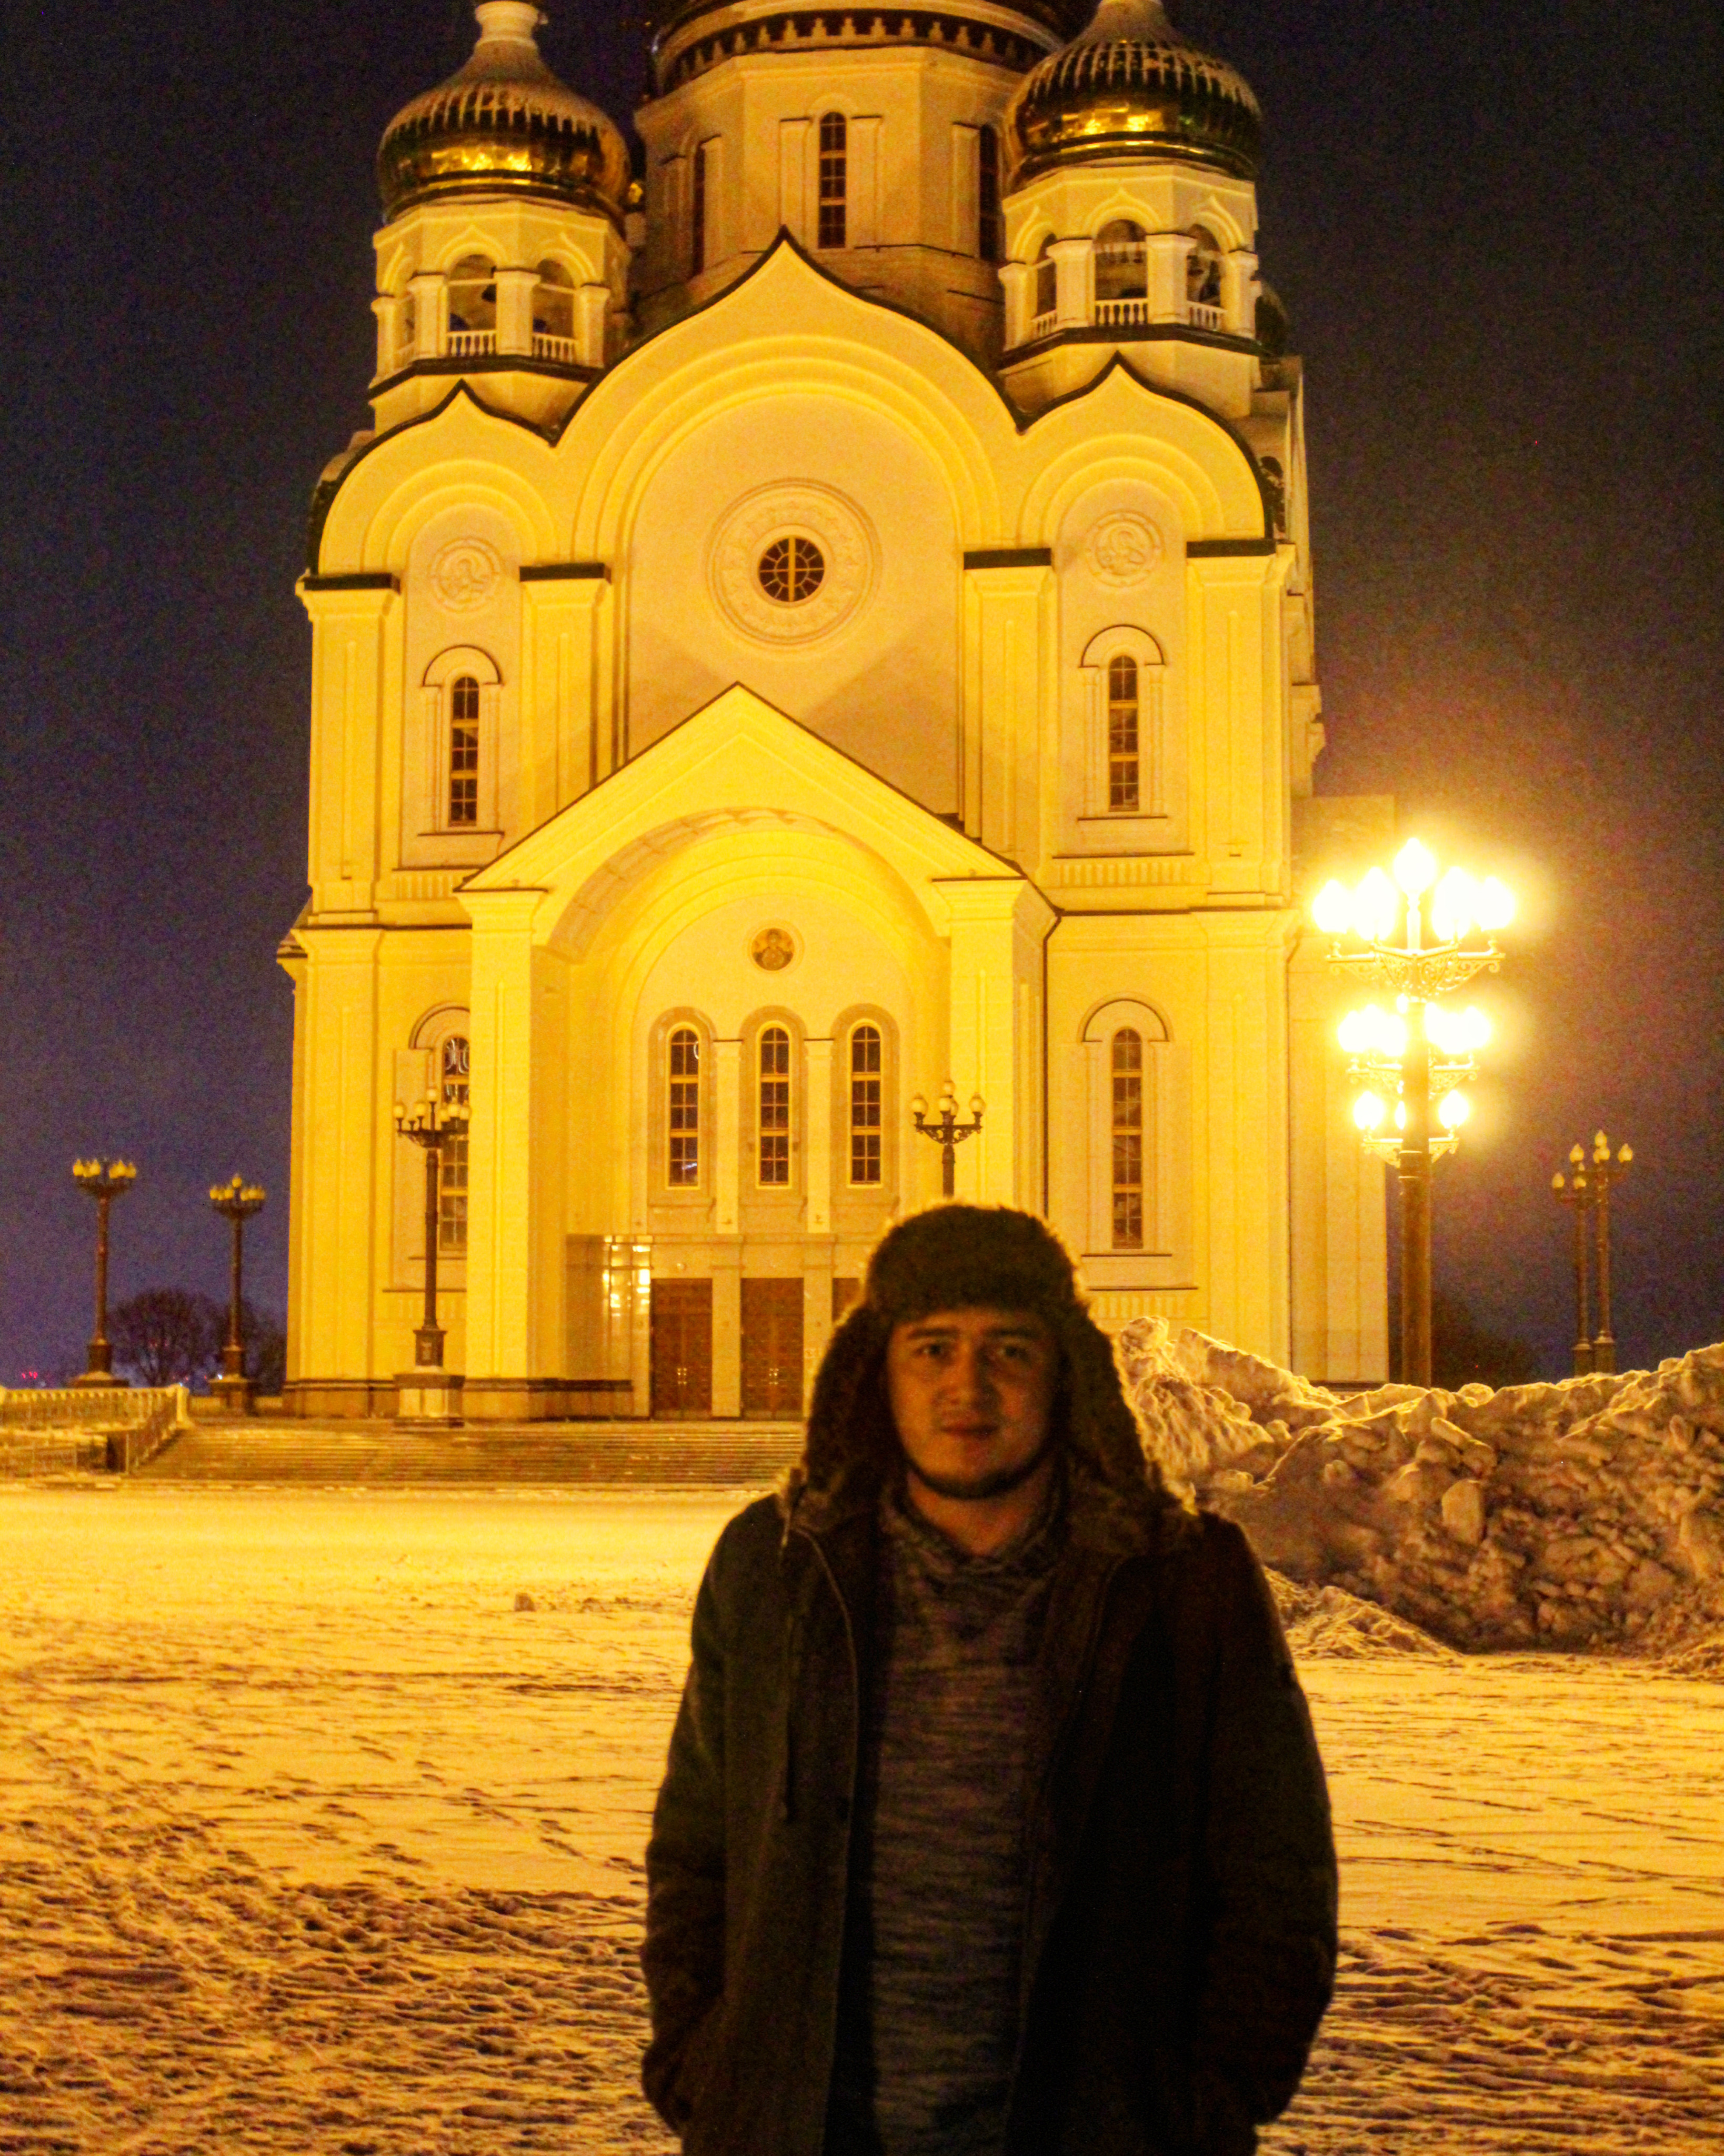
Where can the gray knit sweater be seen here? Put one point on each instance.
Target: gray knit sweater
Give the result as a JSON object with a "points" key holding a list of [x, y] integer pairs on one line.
{"points": [[946, 1787]]}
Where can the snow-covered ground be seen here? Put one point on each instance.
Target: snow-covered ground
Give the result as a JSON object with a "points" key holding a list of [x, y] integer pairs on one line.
{"points": [[311, 1840]]}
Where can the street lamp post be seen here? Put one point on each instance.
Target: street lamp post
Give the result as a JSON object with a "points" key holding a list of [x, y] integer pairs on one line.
{"points": [[103, 1184], [236, 1202], [1393, 1050], [429, 1396], [1605, 1171], [1576, 1192], [947, 1131]]}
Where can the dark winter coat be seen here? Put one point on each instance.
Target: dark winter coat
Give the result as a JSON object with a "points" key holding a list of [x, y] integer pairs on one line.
{"points": [[1179, 1918]]}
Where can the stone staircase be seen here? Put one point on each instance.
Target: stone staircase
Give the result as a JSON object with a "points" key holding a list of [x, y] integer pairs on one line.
{"points": [[734, 1455]]}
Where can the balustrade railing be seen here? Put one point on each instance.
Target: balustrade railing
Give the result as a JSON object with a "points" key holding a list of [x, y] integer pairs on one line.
{"points": [[472, 344], [562, 349], [1113, 313], [118, 1427], [1205, 318]]}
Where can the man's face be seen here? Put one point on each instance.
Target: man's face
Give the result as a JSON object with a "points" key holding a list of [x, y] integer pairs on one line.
{"points": [[971, 1392]]}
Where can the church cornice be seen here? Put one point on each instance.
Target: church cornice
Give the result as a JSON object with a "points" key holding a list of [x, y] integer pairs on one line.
{"points": [[795, 30]]}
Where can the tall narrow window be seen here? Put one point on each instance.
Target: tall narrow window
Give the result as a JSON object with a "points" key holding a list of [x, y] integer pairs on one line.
{"points": [[1123, 761], [1127, 1140], [774, 1126], [834, 179], [864, 1104], [1047, 280], [455, 1060], [685, 1107], [990, 235], [697, 214], [464, 751]]}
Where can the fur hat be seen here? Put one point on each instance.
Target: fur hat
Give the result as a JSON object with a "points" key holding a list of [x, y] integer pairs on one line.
{"points": [[969, 1257]]}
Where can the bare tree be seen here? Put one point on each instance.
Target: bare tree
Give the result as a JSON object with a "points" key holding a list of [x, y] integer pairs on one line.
{"points": [[166, 1335]]}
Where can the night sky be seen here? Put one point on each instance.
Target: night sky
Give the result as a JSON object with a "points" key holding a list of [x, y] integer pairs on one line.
{"points": [[1495, 227]]}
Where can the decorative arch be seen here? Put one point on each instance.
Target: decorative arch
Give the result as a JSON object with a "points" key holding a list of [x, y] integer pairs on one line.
{"points": [[1123, 670], [462, 689], [1130, 1119]]}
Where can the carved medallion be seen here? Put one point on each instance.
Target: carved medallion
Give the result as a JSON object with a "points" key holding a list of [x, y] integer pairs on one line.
{"points": [[464, 574], [1124, 549], [771, 950], [790, 564]]}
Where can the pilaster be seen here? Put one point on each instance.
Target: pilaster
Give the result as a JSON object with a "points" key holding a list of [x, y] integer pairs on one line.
{"points": [[999, 924], [565, 730], [1009, 610], [354, 622], [817, 1165]]}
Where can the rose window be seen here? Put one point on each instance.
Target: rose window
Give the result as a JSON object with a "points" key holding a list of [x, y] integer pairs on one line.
{"points": [[791, 570]]}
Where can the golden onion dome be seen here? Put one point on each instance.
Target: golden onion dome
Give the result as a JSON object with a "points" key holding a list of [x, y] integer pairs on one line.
{"points": [[1131, 86], [504, 124]]}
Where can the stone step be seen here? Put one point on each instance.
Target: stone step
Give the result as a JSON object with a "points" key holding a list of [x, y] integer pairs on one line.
{"points": [[730, 1454]]}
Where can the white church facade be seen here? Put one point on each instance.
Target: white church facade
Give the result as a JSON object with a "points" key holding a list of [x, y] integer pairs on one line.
{"points": [[831, 618]]}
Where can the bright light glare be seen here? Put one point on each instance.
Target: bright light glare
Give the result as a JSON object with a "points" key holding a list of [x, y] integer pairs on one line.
{"points": [[1454, 1111], [1332, 908], [1415, 868], [1400, 1115], [1456, 1032], [1377, 908], [1358, 1030], [1373, 1031], [1454, 906], [1369, 1112], [1496, 906]]}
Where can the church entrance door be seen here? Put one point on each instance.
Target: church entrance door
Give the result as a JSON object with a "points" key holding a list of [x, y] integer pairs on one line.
{"points": [[772, 1347], [682, 1347]]}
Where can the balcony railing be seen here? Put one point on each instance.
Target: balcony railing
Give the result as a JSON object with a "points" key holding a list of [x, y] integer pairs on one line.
{"points": [[1045, 324], [562, 349], [1204, 318], [1113, 313], [472, 344]]}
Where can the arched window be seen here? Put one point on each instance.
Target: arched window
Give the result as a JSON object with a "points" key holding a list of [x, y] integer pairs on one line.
{"points": [[865, 1105], [463, 750], [1123, 737], [554, 313], [773, 1111], [455, 1067], [472, 307], [834, 180], [990, 228], [1202, 278], [697, 212], [1122, 266], [1126, 769], [1127, 1127], [682, 1164]]}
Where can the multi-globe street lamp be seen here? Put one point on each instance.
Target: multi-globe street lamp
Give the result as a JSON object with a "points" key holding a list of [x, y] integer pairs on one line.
{"points": [[236, 1202], [1412, 1058], [1586, 1188], [104, 1182], [429, 1393], [947, 1131]]}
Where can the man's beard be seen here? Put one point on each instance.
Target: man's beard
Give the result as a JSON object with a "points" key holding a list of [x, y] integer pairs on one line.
{"points": [[973, 1489]]}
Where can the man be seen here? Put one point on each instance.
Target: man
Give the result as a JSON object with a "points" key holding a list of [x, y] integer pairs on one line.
{"points": [[993, 1824]]}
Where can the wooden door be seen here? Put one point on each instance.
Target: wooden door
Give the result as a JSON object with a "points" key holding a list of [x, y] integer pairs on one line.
{"points": [[771, 1348], [682, 1347]]}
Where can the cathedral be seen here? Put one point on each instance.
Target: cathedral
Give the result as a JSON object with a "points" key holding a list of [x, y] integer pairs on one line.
{"points": [[820, 624]]}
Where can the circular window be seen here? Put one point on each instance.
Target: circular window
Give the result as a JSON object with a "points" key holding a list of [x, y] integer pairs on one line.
{"points": [[791, 570]]}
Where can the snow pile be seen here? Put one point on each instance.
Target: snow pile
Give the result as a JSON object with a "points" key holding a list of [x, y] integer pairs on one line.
{"points": [[1587, 1514]]}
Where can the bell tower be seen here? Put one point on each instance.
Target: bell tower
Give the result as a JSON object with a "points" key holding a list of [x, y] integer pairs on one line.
{"points": [[872, 135], [502, 258], [1132, 216]]}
